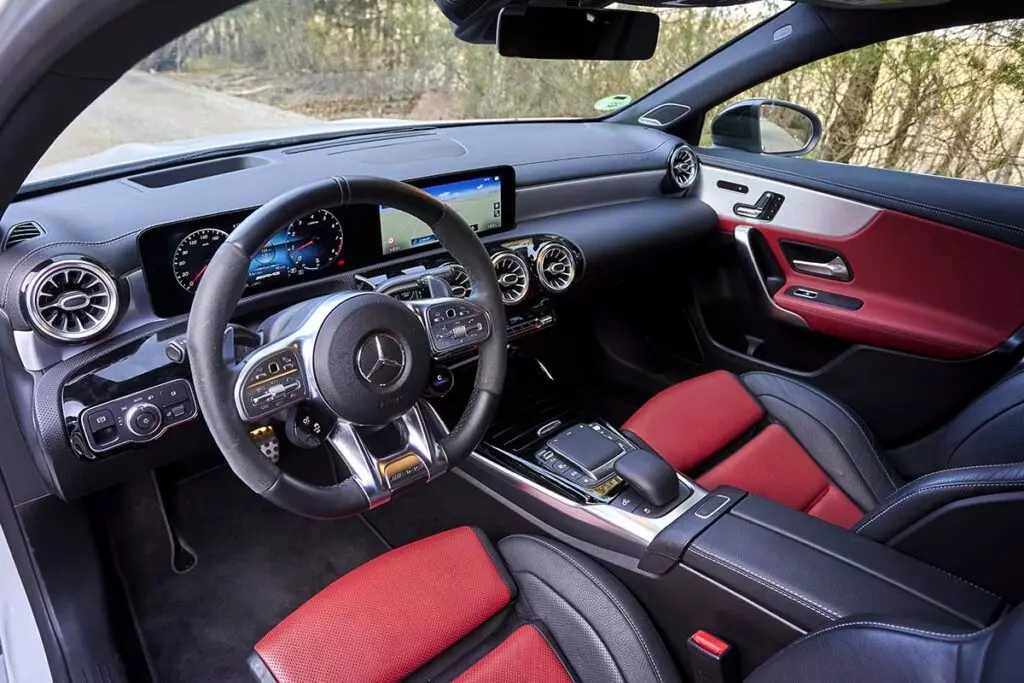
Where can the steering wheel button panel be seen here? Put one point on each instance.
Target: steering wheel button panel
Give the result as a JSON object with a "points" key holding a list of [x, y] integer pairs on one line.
{"points": [[452, 325], [272, 384]]}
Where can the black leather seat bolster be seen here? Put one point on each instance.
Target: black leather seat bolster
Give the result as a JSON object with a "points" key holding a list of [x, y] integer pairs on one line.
{"points": [[923, 496], [868, 649], [830, 432], [987, 432], [600, 628], [991, 430]]}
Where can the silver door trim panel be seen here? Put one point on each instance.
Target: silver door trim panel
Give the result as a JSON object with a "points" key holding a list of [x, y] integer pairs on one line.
{"points": [[804, 210]]}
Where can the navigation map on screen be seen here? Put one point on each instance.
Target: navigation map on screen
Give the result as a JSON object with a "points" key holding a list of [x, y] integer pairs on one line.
{"points": [[478, 201]]}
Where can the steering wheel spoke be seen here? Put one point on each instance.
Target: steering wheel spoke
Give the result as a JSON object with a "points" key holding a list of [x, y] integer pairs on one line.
{"points": [[452, 324], [381, 475], [271, 379], [364, 356]]}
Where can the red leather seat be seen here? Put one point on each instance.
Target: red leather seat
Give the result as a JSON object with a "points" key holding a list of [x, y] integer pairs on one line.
{"points": [[451, 607], [785, 440], [454, 607], [720, 429]]}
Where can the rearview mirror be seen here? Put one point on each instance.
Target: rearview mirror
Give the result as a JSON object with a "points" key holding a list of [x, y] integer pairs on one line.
{"points": [[767, 127], [574, 33]]}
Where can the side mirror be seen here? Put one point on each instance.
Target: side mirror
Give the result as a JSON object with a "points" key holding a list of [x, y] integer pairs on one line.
{"points": [[767, 127]]}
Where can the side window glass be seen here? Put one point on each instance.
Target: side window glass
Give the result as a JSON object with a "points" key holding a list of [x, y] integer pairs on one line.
{"points": [[942, 103]]}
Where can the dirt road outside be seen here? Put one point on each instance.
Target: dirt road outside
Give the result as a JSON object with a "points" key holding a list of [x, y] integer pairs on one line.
{"points": [[147, 108]]}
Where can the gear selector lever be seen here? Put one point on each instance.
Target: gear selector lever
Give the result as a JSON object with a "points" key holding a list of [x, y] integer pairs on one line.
{"points": [[650, 475]]}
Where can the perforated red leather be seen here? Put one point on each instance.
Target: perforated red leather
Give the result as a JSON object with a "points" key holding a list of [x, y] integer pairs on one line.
{"points": [[692, 420], [774, 465], [523, 657], [387, 618]]}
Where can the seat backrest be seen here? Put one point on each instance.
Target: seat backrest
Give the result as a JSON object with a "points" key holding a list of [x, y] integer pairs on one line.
{"points": [[990, 431], [867, 649], [968, 521]]}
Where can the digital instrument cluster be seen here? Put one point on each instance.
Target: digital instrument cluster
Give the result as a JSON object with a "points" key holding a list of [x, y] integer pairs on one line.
{"points": [[309, 244], [326, 242]]}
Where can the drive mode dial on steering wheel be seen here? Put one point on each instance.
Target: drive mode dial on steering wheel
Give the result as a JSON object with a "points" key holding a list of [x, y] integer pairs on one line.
{"points": [[361, 359]]}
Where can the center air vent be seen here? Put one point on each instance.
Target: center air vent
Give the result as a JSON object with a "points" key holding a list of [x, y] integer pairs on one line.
{"points": [[22, 232], [683, 167], [556, 266], [459, 281], [513, 276], [71, 300]]}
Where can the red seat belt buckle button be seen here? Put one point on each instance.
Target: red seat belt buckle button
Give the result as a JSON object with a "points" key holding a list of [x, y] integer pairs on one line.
{"points": [[711, 659]]}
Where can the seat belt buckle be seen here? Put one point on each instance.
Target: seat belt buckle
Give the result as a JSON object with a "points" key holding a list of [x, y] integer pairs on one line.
{"points": [[712, 660]]}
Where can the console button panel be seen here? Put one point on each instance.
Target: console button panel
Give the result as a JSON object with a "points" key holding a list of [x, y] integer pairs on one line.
{"points": [[600, 482], [138, 417]]}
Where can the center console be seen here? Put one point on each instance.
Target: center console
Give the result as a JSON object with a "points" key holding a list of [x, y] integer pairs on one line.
{"points": [[755, 573]]}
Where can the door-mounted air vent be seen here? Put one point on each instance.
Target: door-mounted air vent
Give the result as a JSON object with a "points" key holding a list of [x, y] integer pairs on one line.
{"points": [[556, 266], [683, 167], [22, 232], [459, 281], [71, 300], [513, 276]]}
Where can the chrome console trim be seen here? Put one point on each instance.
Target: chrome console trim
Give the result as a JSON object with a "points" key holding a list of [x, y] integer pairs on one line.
{"points": [[625, 525]]}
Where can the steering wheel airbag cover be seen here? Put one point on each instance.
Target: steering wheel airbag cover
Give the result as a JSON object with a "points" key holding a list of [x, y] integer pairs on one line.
{"points": [[352, 335]]}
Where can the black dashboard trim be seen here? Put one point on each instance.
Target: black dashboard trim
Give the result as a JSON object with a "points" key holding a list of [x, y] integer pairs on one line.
{"points": [[610, 238]]}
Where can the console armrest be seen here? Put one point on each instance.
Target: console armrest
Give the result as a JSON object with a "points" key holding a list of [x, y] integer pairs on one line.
{"points": [[812, 573]]}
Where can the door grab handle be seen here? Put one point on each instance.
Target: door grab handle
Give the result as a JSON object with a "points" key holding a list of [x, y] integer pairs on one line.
{"points": [[742, 236], [835, 269]]}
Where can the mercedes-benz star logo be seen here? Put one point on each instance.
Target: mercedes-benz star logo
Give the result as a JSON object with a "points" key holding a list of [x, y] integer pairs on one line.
{"points": [[381, 359]]}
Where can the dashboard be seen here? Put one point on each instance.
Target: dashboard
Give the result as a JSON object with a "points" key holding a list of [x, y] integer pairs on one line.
{"points": [[324, 243], [96, 298]]}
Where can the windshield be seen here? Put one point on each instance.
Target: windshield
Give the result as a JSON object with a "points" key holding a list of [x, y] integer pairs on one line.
{"points": [[293, 66]]}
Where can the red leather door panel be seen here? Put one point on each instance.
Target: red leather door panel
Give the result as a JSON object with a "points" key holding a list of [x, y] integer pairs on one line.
{"points": [[927, 288]]}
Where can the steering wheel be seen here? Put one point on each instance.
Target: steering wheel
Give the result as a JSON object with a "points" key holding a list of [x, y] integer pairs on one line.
{"points": [[362, 358]]}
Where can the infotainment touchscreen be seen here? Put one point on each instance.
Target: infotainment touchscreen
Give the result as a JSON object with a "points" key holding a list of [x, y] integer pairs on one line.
{"points": [[478, 200]]}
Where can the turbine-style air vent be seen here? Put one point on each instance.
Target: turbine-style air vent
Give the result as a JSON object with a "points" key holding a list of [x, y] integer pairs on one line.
{"points": [[71, 301], [683, 167], [21, 232], [459, 281], [513, 276], [556, 266]]}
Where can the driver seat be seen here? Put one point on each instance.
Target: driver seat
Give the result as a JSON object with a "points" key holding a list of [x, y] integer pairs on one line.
{"points": [[452, 607]]}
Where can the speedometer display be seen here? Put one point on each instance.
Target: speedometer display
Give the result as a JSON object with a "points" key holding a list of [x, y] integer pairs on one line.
{"points": [[193, 256], [315, 242], [309, 244]]}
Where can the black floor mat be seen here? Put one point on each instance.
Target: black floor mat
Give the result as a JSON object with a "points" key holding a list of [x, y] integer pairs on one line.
{"points": [[256, 563]]}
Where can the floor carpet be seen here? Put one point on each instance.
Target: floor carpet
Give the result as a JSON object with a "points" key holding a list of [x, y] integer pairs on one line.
{"points": [[255, 564]]}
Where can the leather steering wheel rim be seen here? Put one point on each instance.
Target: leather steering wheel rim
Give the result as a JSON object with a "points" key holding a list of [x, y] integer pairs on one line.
{"points": [[221, 289]]}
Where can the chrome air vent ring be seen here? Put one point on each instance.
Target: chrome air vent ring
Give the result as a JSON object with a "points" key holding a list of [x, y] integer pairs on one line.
{"points": [[683, 167], [70, 300], [513, 276], [556, 266]]}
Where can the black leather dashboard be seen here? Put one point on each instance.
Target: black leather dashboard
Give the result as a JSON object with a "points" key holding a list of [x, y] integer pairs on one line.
{"points": [[597, 187]]}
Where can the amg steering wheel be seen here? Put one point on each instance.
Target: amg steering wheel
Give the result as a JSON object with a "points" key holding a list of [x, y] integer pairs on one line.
{"points": [[362, 358]]}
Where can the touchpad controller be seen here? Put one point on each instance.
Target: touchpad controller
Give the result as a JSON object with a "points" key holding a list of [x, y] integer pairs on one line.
{"points": [[589, 449]]}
